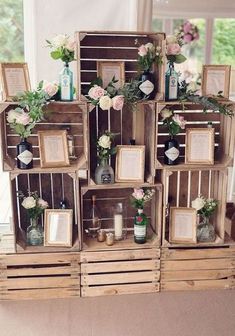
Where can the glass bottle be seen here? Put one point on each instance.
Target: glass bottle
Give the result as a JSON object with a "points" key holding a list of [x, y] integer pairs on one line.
{"points": [[118, 221], [66, 84], [171, 151], [132, 142], [70, 142], [94, 219], [34, 233], [104, 173], [140, 227], [205, 230], [24, 154], [171, 83], [147, 86], [63, 204]]}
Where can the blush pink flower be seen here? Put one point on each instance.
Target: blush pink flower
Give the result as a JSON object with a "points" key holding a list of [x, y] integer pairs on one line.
{"points": [[188, 38], [23, 118], [70, 45], [96, 92], [142, 51], [118, 102], [187, 27], [50, 88], [179, 120], [138, 194], [173, 49], [43, 204]]}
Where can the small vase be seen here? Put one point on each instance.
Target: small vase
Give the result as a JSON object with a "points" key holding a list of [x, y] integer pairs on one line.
{"points": [[140, 227], [205, 230], [171, 151], [66, 84], [104, 173], [24, 155], [34, 233], [147, 86]]}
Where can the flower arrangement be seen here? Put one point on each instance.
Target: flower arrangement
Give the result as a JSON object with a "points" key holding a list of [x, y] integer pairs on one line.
{"points": [[24, 118], [63, 47], [34, 205], [148, 54], [205, 207], [105, 98], [104, 146], [140, 196], [173, 49], [188, 32], [173, 121]]}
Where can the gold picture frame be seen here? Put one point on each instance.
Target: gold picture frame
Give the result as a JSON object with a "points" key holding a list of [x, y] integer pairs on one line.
{"points": [[14, 79], [106, 70], [58, 227], [216, 78], [53, 148], [182, 228], [130, 163], [199, 146]]}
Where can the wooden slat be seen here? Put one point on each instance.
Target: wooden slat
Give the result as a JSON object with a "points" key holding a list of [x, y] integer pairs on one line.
{"points": [[20, 272], [197, 274], [120, 278], [120, 255], [29, 294], [197, 285], [172, 265], [120, 289], [171, 254], [39, 282]]}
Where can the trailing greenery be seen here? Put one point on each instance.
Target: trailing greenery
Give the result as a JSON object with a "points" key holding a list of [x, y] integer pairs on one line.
{"points": [[131, 92]]}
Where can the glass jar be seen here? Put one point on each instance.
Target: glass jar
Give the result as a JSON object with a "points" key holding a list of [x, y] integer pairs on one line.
{"points": [[34, 233], [104, 173], [205, 230]]}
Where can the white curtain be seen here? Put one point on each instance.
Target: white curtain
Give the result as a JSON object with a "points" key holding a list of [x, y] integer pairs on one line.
{"points": [[144, 15]]}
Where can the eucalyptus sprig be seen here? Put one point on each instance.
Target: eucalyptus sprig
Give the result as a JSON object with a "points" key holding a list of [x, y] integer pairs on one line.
{"points": [[132, 94]]}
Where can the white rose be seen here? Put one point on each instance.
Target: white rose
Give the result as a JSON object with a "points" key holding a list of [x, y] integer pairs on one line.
{"points": [[166, 113], [105, 102], [70, 45], [29, 202], [170, 39], [192, 86], [198, 203], [104, 141], [12, 116], [149, 46], [59, 41]]}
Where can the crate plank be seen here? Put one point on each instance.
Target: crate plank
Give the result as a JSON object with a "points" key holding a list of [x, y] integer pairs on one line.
{"points": [[197, 285], [197, 274], [174, 265], [39, 294], [173, 254]]}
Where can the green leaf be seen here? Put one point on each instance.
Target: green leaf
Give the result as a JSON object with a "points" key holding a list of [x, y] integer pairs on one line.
{"points": [[56, 54], [180, 58]]}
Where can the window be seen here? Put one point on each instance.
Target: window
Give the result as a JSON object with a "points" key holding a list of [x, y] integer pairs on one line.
{"points": [[11, 31]]}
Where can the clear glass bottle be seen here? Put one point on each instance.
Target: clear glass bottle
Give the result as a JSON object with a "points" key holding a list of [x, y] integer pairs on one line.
{"points": [[171, 83], [66, 84], [119, 222], [34, 233], [205, 230], [104, 173], [94, 219], [140, 227]]}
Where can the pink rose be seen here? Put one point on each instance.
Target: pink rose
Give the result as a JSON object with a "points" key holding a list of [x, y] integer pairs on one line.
{"points": [[96, 92], [23, 118], [187, 38], [173, 49], [118, 102], [179, 120], [138, 194], [43, 204], [196, 36], [50, 88], [187, 27], [142, 50], [70, 45]]}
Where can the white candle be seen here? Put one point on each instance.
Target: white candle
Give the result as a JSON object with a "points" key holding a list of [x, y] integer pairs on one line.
{"points": [[118, 225]]}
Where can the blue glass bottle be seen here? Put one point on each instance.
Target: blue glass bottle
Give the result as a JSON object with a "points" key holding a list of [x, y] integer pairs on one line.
{"points": [[171, 83], [66, 84]]}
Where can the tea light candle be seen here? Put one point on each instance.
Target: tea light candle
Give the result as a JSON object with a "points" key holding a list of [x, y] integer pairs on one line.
{"points": [[118, 226], [101, 236], [109, 239]]}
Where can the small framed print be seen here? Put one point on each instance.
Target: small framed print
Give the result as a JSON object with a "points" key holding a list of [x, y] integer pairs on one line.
{"points": [[109, 69], [14, 79], [53, 148], [58, 227], [216, 78], [199, 144], [182, 228], [130, 162]]}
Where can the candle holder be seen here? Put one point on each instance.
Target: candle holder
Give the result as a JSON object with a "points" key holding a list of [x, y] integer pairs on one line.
{"points": [[119, 222], [101, 236], [109, 239]]}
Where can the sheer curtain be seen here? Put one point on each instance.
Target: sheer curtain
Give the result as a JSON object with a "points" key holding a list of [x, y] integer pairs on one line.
{"points": [[144, 15]]}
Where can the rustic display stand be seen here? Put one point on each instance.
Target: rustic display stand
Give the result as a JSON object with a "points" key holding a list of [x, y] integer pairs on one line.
{"points": [[91, 268]]}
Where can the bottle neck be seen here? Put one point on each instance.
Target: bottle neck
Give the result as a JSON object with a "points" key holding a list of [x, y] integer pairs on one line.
{"points": [[104, 162], [140, 211]]}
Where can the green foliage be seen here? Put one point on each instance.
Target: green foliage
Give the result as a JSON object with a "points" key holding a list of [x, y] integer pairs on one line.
{"points": [[11, 31], [172, 126]]}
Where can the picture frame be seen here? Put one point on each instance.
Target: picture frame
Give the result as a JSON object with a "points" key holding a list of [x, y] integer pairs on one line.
{"points": [[53, 148], [130, 163], [199, 146], [107, 69], [58, 227], [182, 226], [14, 79], [216, 78]]}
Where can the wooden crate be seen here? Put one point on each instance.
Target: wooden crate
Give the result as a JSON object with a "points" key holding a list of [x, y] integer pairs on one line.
{"points": [[120, 272], [39, 276], [58, 116], [182, 186], [113, 46], [127, 124], [52, 187], [224, 133], [107, 197], [198, 269]]}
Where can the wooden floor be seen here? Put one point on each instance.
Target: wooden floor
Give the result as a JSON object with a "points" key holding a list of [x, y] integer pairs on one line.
{"points": [[204, 313]]}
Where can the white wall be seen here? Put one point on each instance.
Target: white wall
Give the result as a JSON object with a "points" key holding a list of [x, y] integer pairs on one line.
{"points": [[45, 18]]}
